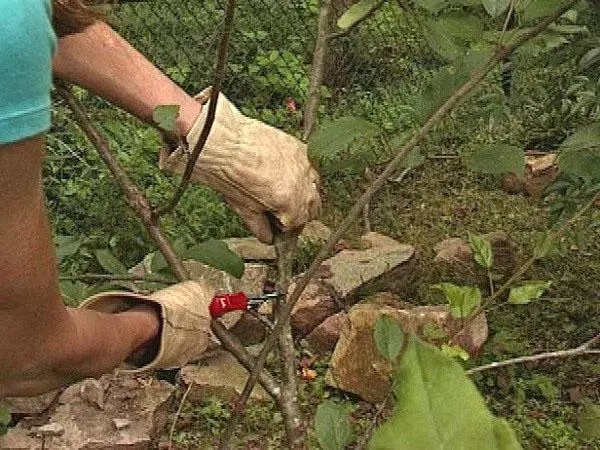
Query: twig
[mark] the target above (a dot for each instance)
(368, 15)
(136, 199)
(123, 277)
(365, 438)
(138, 202)
(318, 70)
(356, 210)
(507, 21)
(178, 413)
(584, 349)
(285, 246)
(210, 118)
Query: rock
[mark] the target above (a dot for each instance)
(249, 330)
(218, 375)
(121, 424)
(378, 240)
(250, 248)
(540, 172)
(141, 401)
(29, 406)
(19, 439)
(252, 282)
(93, 392)
(315, 231)
(314, 306)
(356, 365)
(325, 336)
(453, 251)
(350, 269)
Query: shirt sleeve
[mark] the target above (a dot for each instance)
(27, 43)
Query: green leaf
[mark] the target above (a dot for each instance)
(433, 6)
(438, 407)
(110, 263)
(388, 337)
(5, 418)
(66, 246)
(332, 426)
(531, 290)
(336, 136)
(450, 35)
(497, 159)
(356, 13)
(414, 158)
(544, 245)
(495, 7)
(165, 117)
(462, 300)
(580, 153)
(454, 351)
(73, 292)
(590, 59)
(589, 421)
(533, 10)
(482, 251)
(216, 254)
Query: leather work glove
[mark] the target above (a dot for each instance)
(185, 322)
(260, 170)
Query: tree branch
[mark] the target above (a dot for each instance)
(584, 349)
(122, 277)
(356, 210)
(210, 118)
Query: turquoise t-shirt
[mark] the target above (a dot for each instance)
(27, 43)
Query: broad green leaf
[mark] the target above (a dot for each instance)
(533, 10)
(433, 6)
(388, 337)
(589, 421)
(66, 246)
(357, 12)
(450, 35)
(580, 153)
(590, 59)
(454, 351)
(165, 117)
(497, 159)
(530, 290)
(216, 254)
(495, 7)
(438, 407)
(335, 137)
(414, 159)
(158, 262)
(544, 245)
(462, 300)
(482, 250)
(332, 426)
(110, 263)
(443, 83)
(73, 292)
(4, 420)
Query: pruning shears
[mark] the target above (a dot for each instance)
(223, 303)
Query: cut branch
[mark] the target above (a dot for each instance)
(356, 210)
(210, 117)
(584, 349)
(123, 277)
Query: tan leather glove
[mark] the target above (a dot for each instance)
(185, 321)
(257, 168)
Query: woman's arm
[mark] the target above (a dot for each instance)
(103, 62)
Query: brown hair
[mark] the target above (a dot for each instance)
(71, 16)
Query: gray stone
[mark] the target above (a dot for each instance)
(29, 406)
(49, 430)
(121, 424)
(325, 336)
(218, 375)
(250, 248)
(143, 401)
(356, 365)
(314, 306)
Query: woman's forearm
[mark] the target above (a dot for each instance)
(103, 62)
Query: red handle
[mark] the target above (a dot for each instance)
(222, 304)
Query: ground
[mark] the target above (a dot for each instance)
(438, 201)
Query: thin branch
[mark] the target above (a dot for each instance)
(507, 21)
(365, 438)
(122, 277)
(135, 198)
(178, 413)
(356, 210)
(138, 202)
(210, 118)
(318, 69)
(351, 28)
(584, 349)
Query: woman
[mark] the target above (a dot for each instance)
(259, 170)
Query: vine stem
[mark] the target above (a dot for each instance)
(356, 210)
(584, 349)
